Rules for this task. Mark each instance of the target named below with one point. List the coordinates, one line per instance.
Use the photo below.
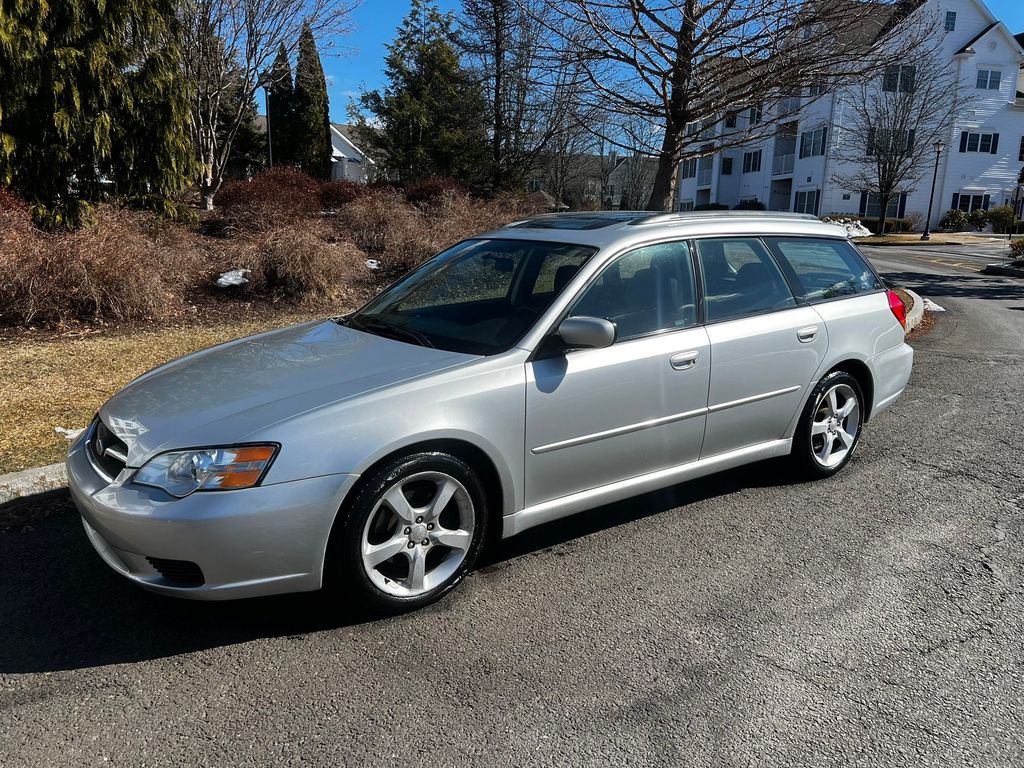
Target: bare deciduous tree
(229, 46)
(891, 123)
(678, 63)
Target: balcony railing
(782, 164)
(704, 177)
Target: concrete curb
(1004, 270)
(30, 481)
(916, 313)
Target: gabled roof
(349, 134)
(969, 45)
(1017, 40)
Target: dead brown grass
(61, 382)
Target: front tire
(411, 533)
(829, 427)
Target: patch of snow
(70, 434)
(854, 227)
(372, 264)
(931, 306)
(232, 278)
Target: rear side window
(740, 278)
(824, 269)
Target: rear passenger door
(765, 348)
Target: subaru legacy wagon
(538, 371)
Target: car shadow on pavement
(959, 286)
(62, 608)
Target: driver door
(599, 416)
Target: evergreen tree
(311, 123)
(432, 114)
(91, 92)
(280, 110)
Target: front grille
(182, 572)
(108, 450)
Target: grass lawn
(937, 238)
(49, 381)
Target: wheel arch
(859, 370)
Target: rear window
(824, 269)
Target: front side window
(644, 291)
(806, 202)
(740, 278)
(899, 77)
(824, 269)
(752, 161)
(812, 143)
(979, 142)
(950, 21)
(478, 297)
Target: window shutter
(824, 140)
(963, 141)
(995, 142)
(985, 201)
(901, 211)
(956, 200)
(863, 203)
(910, 141)
(817, 201)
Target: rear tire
(410, 534)
(829, 427)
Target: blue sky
(376, 22)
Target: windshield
(479, 297)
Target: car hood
(227, 393)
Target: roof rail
(682, 216)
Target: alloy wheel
(835, 425)
(418, 534)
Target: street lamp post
(939, 146)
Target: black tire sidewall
(803, 452)
(344, 566)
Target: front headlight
(206, 469)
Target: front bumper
(256, 541)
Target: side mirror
(587, 332)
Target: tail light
(899, 309)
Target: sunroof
(581, 221)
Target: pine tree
(432, 114)
(91, 92)
(280, 110)
(311, 123)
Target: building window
(730, 119)
(989, 79)
(899, 77)
(752, 161)
(950, 21)
(979, 142)
(689, 168)
(812, 143)
(1020, 155)
(727, 162)
(755, 115)
(971, 202)
(806, 202)
(871, 205)
(685, 205)
(883, 142)
(816, 90)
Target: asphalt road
(871, 619)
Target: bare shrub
(299, 264)
(127, 266)
(335, 194)
(272, 198)
(432, 189)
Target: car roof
(603, 229)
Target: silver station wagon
(527, 374)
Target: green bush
(749, 205)
(978, 218)
(711, 207)
(1002, 218)
(955, 220)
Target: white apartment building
(794, 170)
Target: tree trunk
(883, 202)
(668, 168)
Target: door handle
(684, 360)
(808, 334)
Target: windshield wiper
(384, 328)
